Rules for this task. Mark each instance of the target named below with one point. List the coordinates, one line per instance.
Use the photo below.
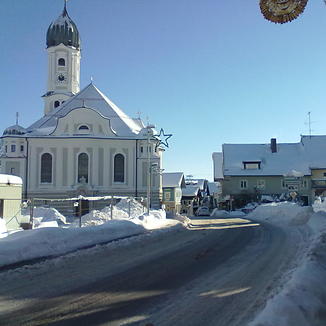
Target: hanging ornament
(282, 11)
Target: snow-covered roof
(93, 98)
(299, 157)
(10, 179)
(218, 165)
(190, 191)
(214, 188)
(173, 179)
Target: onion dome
(63, 30)
(15, 130)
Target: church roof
(14, 130)
(90, 97)
(63, 30)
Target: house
(84, 144)
(215, 193)
(250, 171)
(10, 200)
(190, 201)
(173, 184)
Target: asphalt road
(219, 272)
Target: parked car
(203, 211)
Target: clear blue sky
(207, 71)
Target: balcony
(318, 183)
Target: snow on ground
(301, 301)
(51, 235)
(225, 214)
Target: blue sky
(207, 71)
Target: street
(217, 272)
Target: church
(83, 144)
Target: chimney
(273, 145)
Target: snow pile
(44, 214)
(119, 212)
(220, 213)
(131, 205)
(319, 205)
(155, 220)
(302, 299)
(44, 242)
(283, 212)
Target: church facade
(83, 144)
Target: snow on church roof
(289, 157)
(92, 98)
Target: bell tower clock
(63, 47)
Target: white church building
(83, 144)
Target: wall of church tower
(63, 75)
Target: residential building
(252, 170)
(173, 184)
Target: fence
(88, 208)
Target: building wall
(273, 185)
(101, 154)
(11, 196)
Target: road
(217, 272)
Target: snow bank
(225, 214)
(302, 299)
(282, 213)
(44, 214)
(42, 242)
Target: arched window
(56, 104)
(83, 168)
(46, 168)
(83, 127)
(119, 168)
(62, 62)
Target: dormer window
(56, 104)
(61, 62)
(83, 129)
(251, 165)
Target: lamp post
(149, 135)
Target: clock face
(61, 78)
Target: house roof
(289, 159)
(190, 191)
(173, 180)
(10, 179)
(90, 97)
(214, 187)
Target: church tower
(63, 47)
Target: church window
(21, 148)
(141, 149)
(46, 168)
(83, 127)
(13, 148)
(56, 104)
(83, 167)
(119, 168)
(62, 62)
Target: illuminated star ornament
(282, 11)
(162, 138)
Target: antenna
(309, 122)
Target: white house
(83, 144)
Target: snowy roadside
(48, 239)
(301, 300)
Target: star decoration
(162, 138)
